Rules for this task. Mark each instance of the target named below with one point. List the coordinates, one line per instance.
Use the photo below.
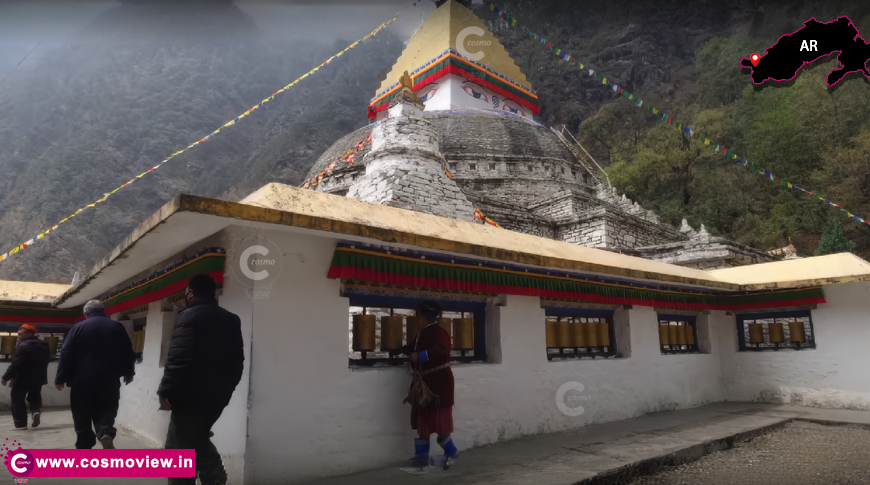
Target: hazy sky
(26, 24)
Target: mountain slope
(140, 83)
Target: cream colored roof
(462, 236)
(440, 31)
(815, 271)
(187, 219)
(25, 291)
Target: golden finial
(406, 81)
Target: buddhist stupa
(457, 137)
(455, 62)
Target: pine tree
(833, 240)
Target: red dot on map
(754, 59)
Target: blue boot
(421, 453)
(450, 450)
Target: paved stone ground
(56, 432)
(571, 457)
(798, 453)
(794, 453)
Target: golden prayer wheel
(563, 333)
(391, 333)
(413, 325)
(551, 333)
(681, 335)
(590, 334)
(463, 333)
(7, 345)
(756, 333)
(52, 344)
(796, 331)
(690, 335)
(664, 338)
(446, 324)
(775, 333)
(363, 333)
(577, 337)
(603, 333)
(138, 341)
(672, 335)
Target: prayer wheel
(7, 345)
(463, 333)
(672, 335)
(603, 334)
(590, 334)
(756, 333)
(664, 337)
(413, 325)
(52, 344)
(774, 332)
(796, 331)
(447, 324)
(363, 333)
(138, 341)
(578, 338)
(391, 333)
(551, 333)
(563, 333)
(681, 335)
(690, 335)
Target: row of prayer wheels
(676, 335)
(775, 333)
(565, 334)
(364, 332)
(9, 342)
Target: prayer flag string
(718, 146)
(230, 123)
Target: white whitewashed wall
(312, 416)
(833, 375)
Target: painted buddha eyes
(429, 94)
(513, 108)
(477, 94)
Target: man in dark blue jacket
(204, 364)
(28, 372)
(96, 353)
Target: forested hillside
(683, 58)
(141, 82)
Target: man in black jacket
(28, 372)
(203, 367)
(96, 353)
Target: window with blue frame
(381, 323)
(776, 330)
(575, 333)
(678, 334)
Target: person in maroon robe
(430, 355)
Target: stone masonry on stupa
(457, 133)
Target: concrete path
(56, 432)
(557, 458)
(569, 457)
